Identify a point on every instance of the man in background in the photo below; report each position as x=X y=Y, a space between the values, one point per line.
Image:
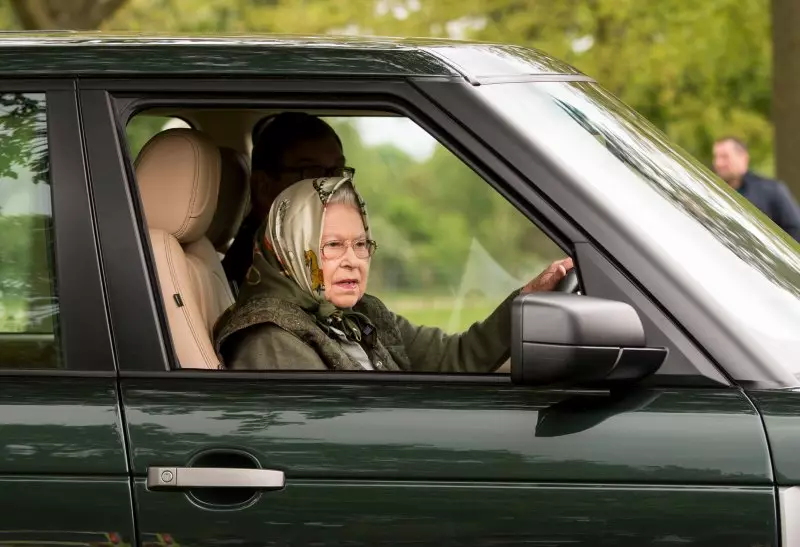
x=732 y=164
x=288 y=147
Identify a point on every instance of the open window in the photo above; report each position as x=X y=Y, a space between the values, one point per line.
x=451 y=248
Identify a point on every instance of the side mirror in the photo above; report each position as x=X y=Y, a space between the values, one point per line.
x=560 y=338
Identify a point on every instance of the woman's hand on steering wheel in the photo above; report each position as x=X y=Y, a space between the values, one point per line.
x=569 y=283
x=549 y=279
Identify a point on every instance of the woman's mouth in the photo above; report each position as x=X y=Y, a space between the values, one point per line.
x=347 y=284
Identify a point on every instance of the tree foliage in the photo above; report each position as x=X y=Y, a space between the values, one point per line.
x=697 y=71
x=786 y=89
x=23 y=137
x=61 y=14
x=25 y=219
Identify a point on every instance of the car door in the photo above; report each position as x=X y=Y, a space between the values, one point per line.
x=378 y=459
x=63 y=466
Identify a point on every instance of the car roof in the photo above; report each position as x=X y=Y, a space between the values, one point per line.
x=93 y=54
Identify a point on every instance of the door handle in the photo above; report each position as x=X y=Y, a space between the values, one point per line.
x=186 y=478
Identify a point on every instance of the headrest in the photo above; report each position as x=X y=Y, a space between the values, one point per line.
x=234 y=190
x=178 y=172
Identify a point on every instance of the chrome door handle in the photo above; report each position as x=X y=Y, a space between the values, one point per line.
x=180 y=478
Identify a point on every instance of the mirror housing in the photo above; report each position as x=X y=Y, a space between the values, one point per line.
x=560 y=338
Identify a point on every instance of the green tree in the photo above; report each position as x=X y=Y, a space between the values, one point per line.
x=786 y=85
x=23 y=137
x=61 y=14
x=696 y=70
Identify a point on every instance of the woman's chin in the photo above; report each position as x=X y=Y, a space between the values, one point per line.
x=346 y=300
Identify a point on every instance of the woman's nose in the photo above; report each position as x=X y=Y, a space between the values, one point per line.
x=349 y=257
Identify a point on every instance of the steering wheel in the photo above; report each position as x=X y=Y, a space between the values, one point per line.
x=569 y=283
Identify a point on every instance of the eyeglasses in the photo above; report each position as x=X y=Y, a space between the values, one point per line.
x=363 y=248
x=318 y=172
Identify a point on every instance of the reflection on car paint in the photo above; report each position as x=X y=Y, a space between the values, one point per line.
x=39 y=538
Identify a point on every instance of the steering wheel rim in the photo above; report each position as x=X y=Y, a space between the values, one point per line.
x=569 y=283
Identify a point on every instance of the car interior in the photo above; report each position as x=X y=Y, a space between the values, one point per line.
x=193 y=181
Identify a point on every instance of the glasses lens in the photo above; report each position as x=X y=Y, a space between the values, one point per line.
x=336 y=249
x=364 y=248
x=333 y=250
x=360 y=248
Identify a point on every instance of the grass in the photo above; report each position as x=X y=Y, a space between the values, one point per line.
x=13 y=315
x=440 y=310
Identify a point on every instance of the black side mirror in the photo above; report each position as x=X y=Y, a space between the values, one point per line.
x=560 y=338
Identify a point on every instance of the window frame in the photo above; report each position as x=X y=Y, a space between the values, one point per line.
x=127 y=97
x=83 y=332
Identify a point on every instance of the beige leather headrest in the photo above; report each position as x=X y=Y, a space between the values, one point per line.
x=233 y=193
x=178 y=172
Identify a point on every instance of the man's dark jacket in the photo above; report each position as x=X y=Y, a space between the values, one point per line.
x=774 y=200
x=240 y=254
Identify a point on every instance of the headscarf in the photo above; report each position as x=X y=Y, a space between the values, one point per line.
x=287 y=262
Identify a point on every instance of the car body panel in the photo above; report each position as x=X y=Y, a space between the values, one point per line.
x=77 y=510
x=477 y=432
x=471 y=514
x=63 y=468
x=781 y=413
x=56 y=426
x=384 y=463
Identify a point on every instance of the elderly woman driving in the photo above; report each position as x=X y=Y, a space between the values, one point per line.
x=304 y=304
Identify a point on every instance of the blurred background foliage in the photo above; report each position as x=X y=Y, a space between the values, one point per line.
x=697 y=70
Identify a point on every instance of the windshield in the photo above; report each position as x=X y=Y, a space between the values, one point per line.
x=746 y=267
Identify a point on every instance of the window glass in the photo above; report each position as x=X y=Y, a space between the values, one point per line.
x=450 y=247
x=143 y=127
x=738 y=262
x=28 y=298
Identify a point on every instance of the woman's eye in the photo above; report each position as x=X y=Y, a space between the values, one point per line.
x=334 y=244
x=360 y=245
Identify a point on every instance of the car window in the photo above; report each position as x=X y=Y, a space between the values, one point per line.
x=143 y=127
x=450 y=247
x=28 y=297
x=739 y=262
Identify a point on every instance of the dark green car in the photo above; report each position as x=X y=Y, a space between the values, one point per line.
x=655 y=402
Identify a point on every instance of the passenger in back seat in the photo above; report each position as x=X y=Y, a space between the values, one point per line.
x=288 y=147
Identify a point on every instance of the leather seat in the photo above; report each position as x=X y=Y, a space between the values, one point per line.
x=178 y=172
x=234 y=193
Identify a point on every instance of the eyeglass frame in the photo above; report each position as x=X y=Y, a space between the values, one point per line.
x=372 y=246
